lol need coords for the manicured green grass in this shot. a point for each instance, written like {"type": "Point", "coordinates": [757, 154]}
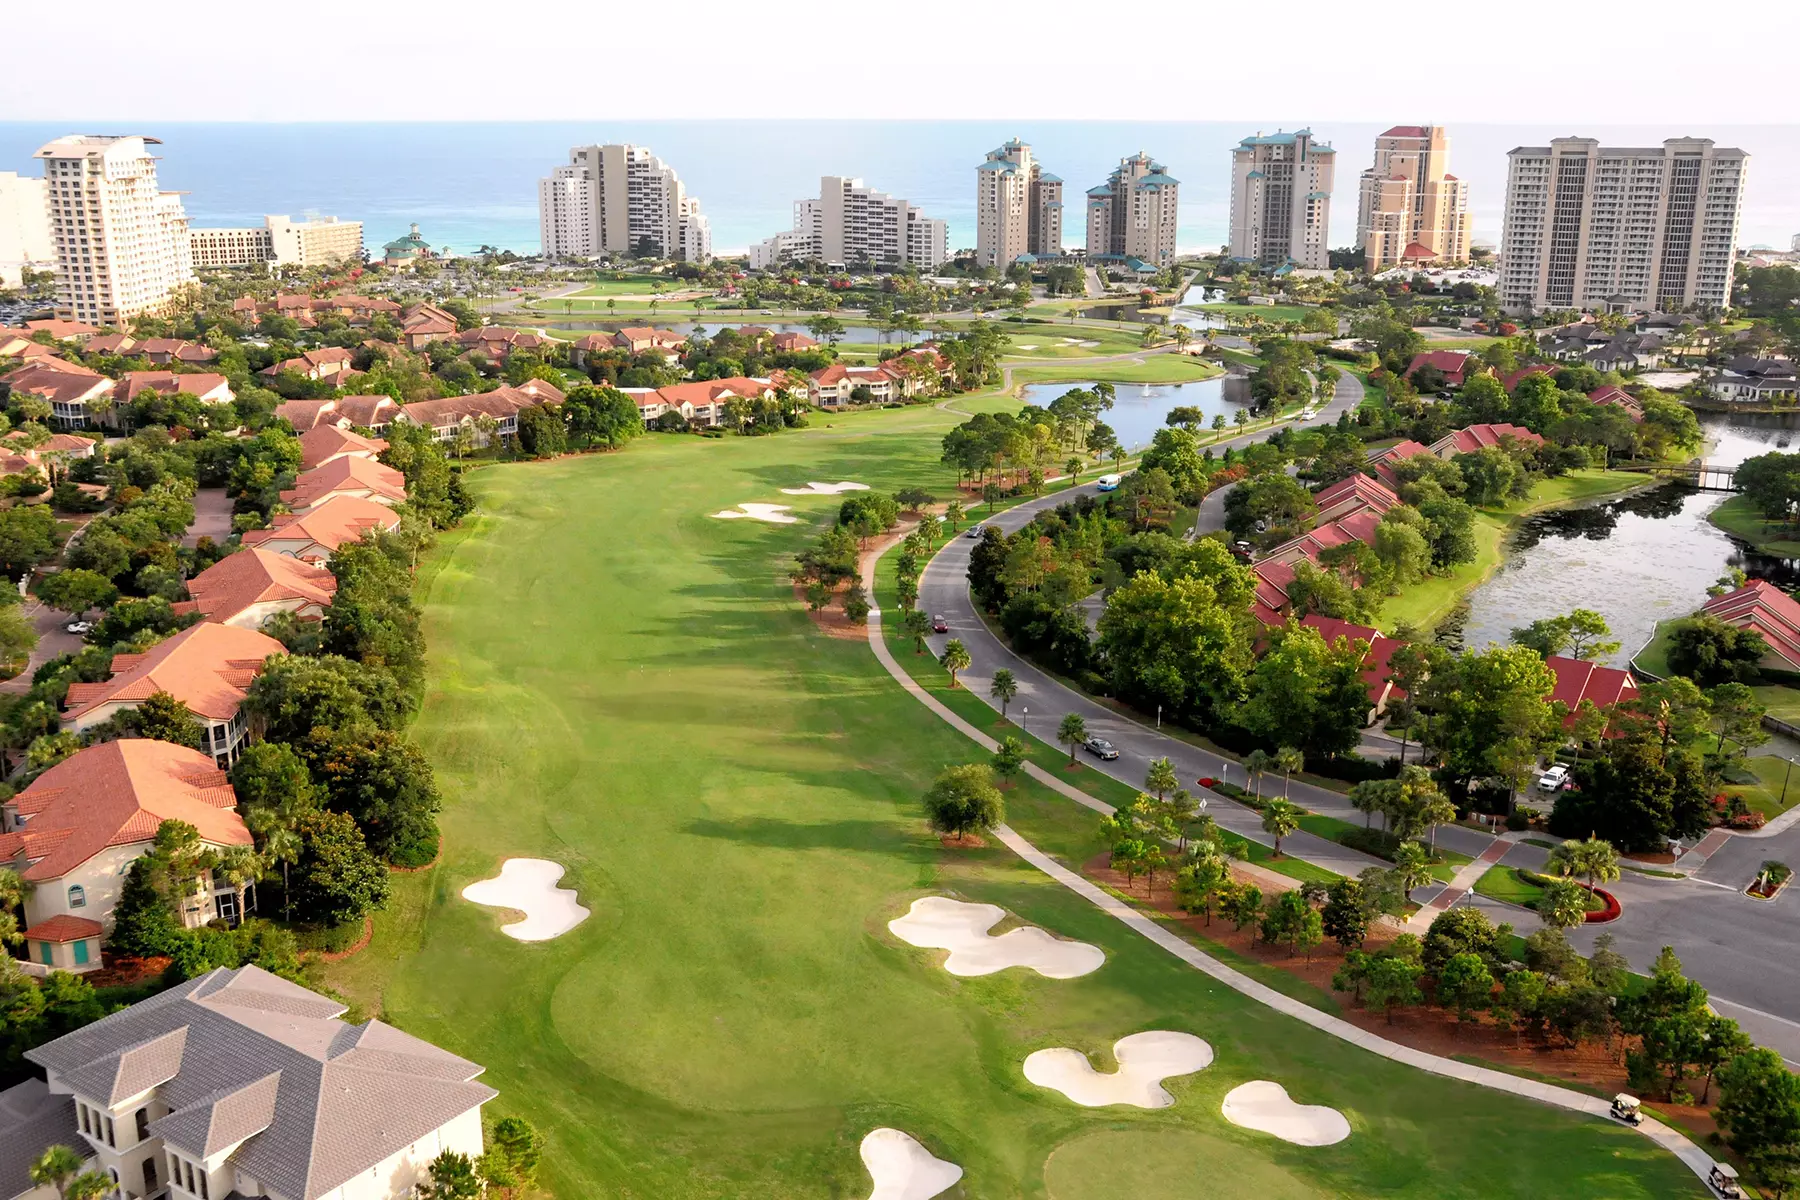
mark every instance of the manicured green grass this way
{"type": "Point", "coordinates": [1444, 862]}
{"type": "Point", "coordinates": [1765, 795]}
{"type": "Point", "coordinates": [1740, 518]}
{"type": "Point", "coordinates": [1050, 341]}
{"type": "Point", "coordinates": [1654, 657]}
{"type": "Point", "coordinates": [1782, 701]}
{"type": "Point", "coordinates": [626, 686]}
{"type": "Point", "coordinates": [1506, 884]}
{"type": "Point", "coordinates": [1155, 368]}
{"type": "Point", "coordinates": [1268, 312]}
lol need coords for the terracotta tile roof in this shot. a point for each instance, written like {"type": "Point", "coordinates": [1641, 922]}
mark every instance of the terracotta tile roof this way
{"type": "Point", "coordinates": [111, 343]}
{"type": "Point", "coordinates": [304, 414]}
{"type": "Point", "coordinates": [1381, 461]}
{"type": "Point", "coordinates": [792, 341]}
{"type": "Point", "coordinates": [351, 473]}
{"type": "Point", "coordinates": [422, 319]}
{"type": "Point", "coordinates": [57, 381]}
{"type": "Point", "coordinates": [250, 577]}
{"type": "Point", "coordinates": [64, 927]}
{"type": "Point", "coordinates": [206, 667]}
{"type": "Point", "coordinates": [1620, 398]}
{"type": "Point", "coordinates": [118, 793]}
{"type": "Point", "coordinates": [1474, 437]}
{"type": "Point", "coordinates": [1512, 379]}
{"type": "Point", "coordinates": [1452, 364]}
{"type": "Point", "coordinates": [452, 410]}
{"type": "Point", "coordinates": [1375, 660]}
{"type": "Point", "coordinates": [1357, 489]}
{"type": "Point", "coordinates": [313, 360]}
{"type": "Point", "coordinates": [542, 390]}
{"type": "Point", "coordinates": [325, 441]}
{"type": "Point", "coordinates": [62, 330]}
{"type": "Point", "coordinates": [26, 350]}
{"type": "Point", "coordinates": [1762, 606]}
{"type": "Point", "coordinates": [325, 526]}
{"type": "Point", "coordinates": [589, 342]}
{"type": "Point", "coordinates": [1578, 680]}
{"type": "Point", "coordinates": [1405, 131]}
{"type": "Point", "coordinates": [176, 348]}
{"type": "Point", "coordinates": [366, 409]}
{"type": "Point", "coordinates": [202, 384]}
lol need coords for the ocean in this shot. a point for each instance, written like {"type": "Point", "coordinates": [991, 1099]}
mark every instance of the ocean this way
{"type": "Point", "coordinates": [473, 184]}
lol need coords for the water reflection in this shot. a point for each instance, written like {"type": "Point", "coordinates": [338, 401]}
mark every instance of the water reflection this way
{"type": "Point", "coordinates": [1140, 409]}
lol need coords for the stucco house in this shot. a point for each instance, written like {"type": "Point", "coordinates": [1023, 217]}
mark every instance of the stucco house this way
{"type": "Point", "coordinates": [315, 533]}
{"type": "Point", "coordinates": [323, 443]}
{"type": "Point", "coordinates": [246, 589]}
{"type": "Point", "coordinates": [350, 475]}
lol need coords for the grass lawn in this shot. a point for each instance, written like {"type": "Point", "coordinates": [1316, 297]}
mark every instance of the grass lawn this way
{"type": "Point", "coordinates": [1269, 312]}
{"type": "Point", "coordinates": [1506, 884]}
{"type": "Point", "coordinates": [1444, 862]}
{"type": "Point", "coordinates": [1740, 518]}
{"type": "Point", "coordinates": [634, 285]}
{"type": "Point", "coordinates": [1783, 702]}
{"type": "Point", "coordinates": [1764, 796]}
{"type": "Point", "coordinates": [1061, 341]}
{"type": "Point", "coordinates": [626, 686]}
{"type": "Point", "coordinates": [1654, 657]}
{"type": "Point", "coordinates": [1155, 368]}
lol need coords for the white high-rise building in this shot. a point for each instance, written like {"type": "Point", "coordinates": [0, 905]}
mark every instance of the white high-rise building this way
{"type": "Point", "coordinates": [1018, 207]}
{"type": "Point", "coordinates": [850, 222]}
{"type": "Point", "coordinates": [279, 240]}
{"type": "Point", "coordinates": [1281, 200]}
{"type": "Point", "coordinates": [619, 199]}
{"type": "Point", "coordinates": [121, 242]}
{"type": "Point", "coordinates": [24, 227]}
{"type": "Point", "coordinates": [1624, 229]}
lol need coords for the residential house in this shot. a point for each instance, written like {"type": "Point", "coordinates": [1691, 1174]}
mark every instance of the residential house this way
{"type": "Point", "coordinates": [791, 343]}
{"type": "Point", "coordinates": [589, 344]}
{"type": "Point", "coordinates": [75, 831]}
{"type": "Point", "coordinates": [63, 331]}
{"type": "Point", "coordinates": [498, 342]}
{"type": "Point", "coordinates": [32, 1119]}
{"type": "Point", "coordinates": [371, 412]}
{"type": "Point", "coordinates": [1765, 609]}
{"type": "Point", "coordinates": [207, 667]}
{"type": "Point", "coordinates": [122, 344]}
{"type": "Point", "coordinates": [213, 389]}
{"type": "Point", "coordinates": [1617, 397]}
{"type": "Point", "coordinates": [18, 348]}
{"type": "Point", "coordinates": [703, 402]}
{"type": "Point", "coordinates": [1353, 493]}
{"type": "Point", "coordinates": [321, 529]}
{"type": "Point", "coordinates": [1473, 437]}
{"type": "Point", "coordinates": [322, 443]}
{"type": "Point", "coordinates": [163, 351]}
{"type": "Point", "coordinates": [1377, 657]}
{"type": "Point", "coordinates": [835, 386]}
{"type": "Point", "coordinates": [1751, 380]}
{"type": "Point", "coordinates": [347, 475]}
{"type": "Point", "coordinates": [326, 364]}
{"type": "Point", "coordinates": [1381, 462]}
{"type": "Point", "coordinates": [240, 1084]}
{"type": "Point", "coordinates": [1512, 379]}
{"type": "Point", "coordinates": [68, 388]}
{"type": "Point", "coordinates": [423, 324]}
{"type": "Point", "coordinates": [1453, 365]}
{"type": "Point", "coordinates": [1578, 680]}
{"type": "Point", "coordinates": [501, 406]}
{"type": "Point", "coordinates": [249, 587]}
{"type": "Point", "coordinates": [641, 338]}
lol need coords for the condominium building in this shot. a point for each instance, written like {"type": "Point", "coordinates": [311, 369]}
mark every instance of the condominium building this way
{"type": "Point", "coordinates": [1281, 200]}
{"type": "Point", "coordinates": [1410, 209]}
{"type": "Point", "coordinates": [121, 241]}
{"type": "Point", "coordinates": [24, 227]}
{"type": "Point", "coordinates": [279, 241]}
{"type": "Point", "coordinates": [850, 222]}
{"type": "Point", "coordinates": [1633, 228]}
{"type": "Point", "coordinates": [1132, 214]}
{"type": "Point", "coordinates": [619, 199]}
{"type": "Point", "coordinates": [1018, 207]}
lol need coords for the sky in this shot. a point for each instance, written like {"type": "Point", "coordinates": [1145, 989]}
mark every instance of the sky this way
{"type": "Point", "coordinates": [1296, 61]}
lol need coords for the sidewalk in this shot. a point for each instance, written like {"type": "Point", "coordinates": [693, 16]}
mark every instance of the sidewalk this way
{"type": "Point", "coordinates": [1460, 885]}
{"type": "Point", "coordinates": [1709, 845]}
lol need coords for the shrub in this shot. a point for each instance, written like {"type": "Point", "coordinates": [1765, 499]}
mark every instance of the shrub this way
{"type": "Point", "coordinates": [1517, 821]}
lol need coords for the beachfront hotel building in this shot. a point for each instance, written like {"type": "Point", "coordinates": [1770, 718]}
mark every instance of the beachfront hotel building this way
{"type": "Point", "coordinates": [850, 222]}
{"type": "Point", "coordinates": [121, 242]}
{"type": "Point", "coordinates": [1132, 214]}
{"type": "Point", "coordinates": [1018, 208]}
{"type": "Point", "coordinates": [619, 200]}
{"type": "Point", "coordinates": [1281, 200]}
{"type": "Point", "coordinates": [24, 227]}
{"type": "Point", "coordinates": [279, 241]}
{"type": "Point", "coordinates": [1620, 228]}
{"type": "Point", "coordinates": [1410, 209]}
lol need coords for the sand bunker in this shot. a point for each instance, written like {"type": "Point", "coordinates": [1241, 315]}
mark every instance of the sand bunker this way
{"type": "Point", "coordinates": [904, 1170]}
{"type": "Point", "coordinates": [529, 885]}
{"type": "Point", "coordinates": [940, 923]}
{"type": "Point", "coordinates": [1266, 1108]}
{"type": "Point", "coordinates": [775, 514]}
{"type": "Point", "coordinates": [1145, 1060]}
{"type": "Point", "coordinates": [824, 489]}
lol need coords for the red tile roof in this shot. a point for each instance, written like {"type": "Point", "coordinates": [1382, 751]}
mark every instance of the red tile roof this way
{"type": "Point", "coordinates": [61, 329]}
{"type": "Point", "coordinates": [326, 525]}
{"type": "Point", "coordinates": [206, 667]}
{"type": "Point", "coordinates": [324, 441]}
{"type": "Point", "coordinates": [168, 383]}
{"type": "Point", "coordinates": [1762, 606]}
{"type": "Point", "coordinates": [117, 794]}
{"type": "Point", "coordinates": [1357, 489]}
{"type": "Point", "coordinates": [1405, 131]}
{"type": "Point", "coordinates": [351, 473]}
{"type": "Point", "coordinates": [1578, 680]}
{"type": "Point", "coordinates": [1512, 379]}
{"type": "Point", "coordinates": [63, 927]}
{"type": "Point", "coordinates": [1451, 363]}
{"type": "Point", "coordinates": [57, 381]}
{"type": "Point", "coordinates": [1474, 437]}
{"type": "Point", "coordinates": [250, 577]}
{"type": "Point", "coordinates": [1620, 398]}
{"type": "Point", "coordinates": [1375, 660]}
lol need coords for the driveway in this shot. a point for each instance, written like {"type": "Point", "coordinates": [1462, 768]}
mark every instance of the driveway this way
{"type": "Point", "coordinates": [53, 640]}
{"type": "Point", "coordinates": [212, 517]}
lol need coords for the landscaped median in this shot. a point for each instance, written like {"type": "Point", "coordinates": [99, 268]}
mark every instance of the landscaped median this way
{"type": "Point", "coordinates": [1526, 888]}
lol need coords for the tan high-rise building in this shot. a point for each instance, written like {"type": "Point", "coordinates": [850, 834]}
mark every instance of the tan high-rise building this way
{"type": "Point", "coordinates": [1410, 209]}
{"type": "Point", "coordinates": [1133, 214]}
{"type": "Point", "coordinates": [1018, 207]}
{"type": "Point", "coordinates": [619, 199]}
{"type": "Point", "coordinates": [121, 242]}
{"type": "Point", "coordinates": [319, 242]}
{"type": "Point", "coordinates": [1623, 229]}
{"type": "Point", "coordinates": [1281, 200]}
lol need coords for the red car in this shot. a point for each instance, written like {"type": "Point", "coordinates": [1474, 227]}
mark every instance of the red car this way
{"type": "Point", "coordinates": [939, 625]}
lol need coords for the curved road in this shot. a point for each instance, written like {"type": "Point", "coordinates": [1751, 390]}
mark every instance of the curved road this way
{"type": "Point", "coordinates": [1741, 949]}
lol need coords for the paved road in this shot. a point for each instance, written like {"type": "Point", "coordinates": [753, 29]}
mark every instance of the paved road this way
{"type": "Point", "coordinates": [1741, 949]}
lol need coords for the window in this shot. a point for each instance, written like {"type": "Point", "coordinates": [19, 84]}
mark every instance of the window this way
{"type": "Point", "coordinates": [110, 1140]}
{"type": "Point", "coordinates": [143, 1123]}
{"type": "Point", "coordinates": [149, 1175]}
{"type": "Point", "coordinates": [77, 896]}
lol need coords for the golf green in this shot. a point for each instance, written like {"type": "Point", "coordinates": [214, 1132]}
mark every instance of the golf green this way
{"type": "Point", "coordinates": [625, 685]}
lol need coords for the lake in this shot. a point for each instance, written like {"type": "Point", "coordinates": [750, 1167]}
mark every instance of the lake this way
{"type": "Point", "coordinates": [1140, 409]}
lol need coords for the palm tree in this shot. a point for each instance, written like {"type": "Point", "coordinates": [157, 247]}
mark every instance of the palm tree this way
{"type": "Point", "coordinates": [954, 658]}
{"type": "Point", "coordinates": [953, 513]}
{"type": "Point", "coordinates": [1280, 818]}
{"type": "Point", "coordinates": [1254, 765]}
{"type": "Point", "coordinates": [1160, 779]}
{"type": "Point", "coordinates": [240, 866]}
{"type": "Point", "coordinates": [1072, 732]}
{"type": "Point", "coordinates": [1288, 759]}
{"type": "Point", "coordinates": [59, 1167]}
{"type": "Point", "coordinates": [13, 891]}
{"type": "Point", "coordinates": [1412, 866]}
{"type": "Point", "coordinates": [1003, 689]}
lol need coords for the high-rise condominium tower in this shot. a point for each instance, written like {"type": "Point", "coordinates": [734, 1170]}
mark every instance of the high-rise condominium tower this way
{"type": "Point", "coordinates": [1620, 228]}
{"type": "Point", "coordinates": [1132, 214]}
{"type": "Point", "coordinates": [1410, 209]}
{"type": "Point", "coordinates": [852, 223]}
{"type": "Point", "coordinates": [1018, 207]}
{"type": "Point", "coordinates": [1281, 200]}
{"type": "Point", "coordinates": [619, 199]}
{"type": "Point", "coordinates": [121, 241]}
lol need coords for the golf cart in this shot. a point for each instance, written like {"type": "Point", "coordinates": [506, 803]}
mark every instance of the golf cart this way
{"type": "Point", "coordinates": [1724, 1180]}
{"type": "Point", "coordinates": [1625, 1108]}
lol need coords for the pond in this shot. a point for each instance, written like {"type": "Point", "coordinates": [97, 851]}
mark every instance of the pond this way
{"type": "Point", "coordinates": [1139, 409]}
{"type": "Point", "coordinates": [1636, 560]}
{"type": "Point", "coordinates": [852, 333]}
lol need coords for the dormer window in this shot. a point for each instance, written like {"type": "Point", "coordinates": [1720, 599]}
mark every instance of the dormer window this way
{"type": "Point", "coordinates": [77, 896]}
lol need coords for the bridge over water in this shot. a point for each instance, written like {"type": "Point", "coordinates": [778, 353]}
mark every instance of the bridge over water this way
{"type": "Point", "coordinates": [1705, 476]}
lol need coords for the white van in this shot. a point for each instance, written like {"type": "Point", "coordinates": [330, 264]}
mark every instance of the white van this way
{"type": "Point", "coordinates": [1108, 483]}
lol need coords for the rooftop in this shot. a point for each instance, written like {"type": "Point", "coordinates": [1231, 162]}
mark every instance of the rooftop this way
{"type": "Point", "coordinates": [206, 667]}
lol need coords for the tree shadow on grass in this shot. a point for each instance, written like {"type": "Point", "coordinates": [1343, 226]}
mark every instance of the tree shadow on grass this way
{"type": "Point", "coordinates": [875, 836]}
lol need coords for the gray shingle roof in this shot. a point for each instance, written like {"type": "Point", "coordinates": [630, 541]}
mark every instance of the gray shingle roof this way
{"type": "Point", "coordinates": [245, 1055]}
{"type": "Point", "coordinates": [31, 1121]}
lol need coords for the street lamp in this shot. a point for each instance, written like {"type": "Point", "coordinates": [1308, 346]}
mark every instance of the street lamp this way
{"type": "Point", "coordinates": [1159, 716]}
{"type": "Point", "coordinates": [1784, 775]}
{"type": "Point", "coordinates": [1024, 712]}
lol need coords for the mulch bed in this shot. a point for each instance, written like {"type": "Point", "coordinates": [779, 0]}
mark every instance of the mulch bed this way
{"type": "Point", "coordinates": [127, 972]}
{"type": "Point", "coordinates": [964, 841]}
{"type": "Point", "coordinates": [359, 945]}
{"type": "Point", "coordinates": [1587, 1067]}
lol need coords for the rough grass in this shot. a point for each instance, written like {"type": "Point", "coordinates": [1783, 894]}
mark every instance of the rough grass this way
{"type": "Point", "coordinates": [1740, 518]}
{"type": "Point", "coordinates": [624, 685]}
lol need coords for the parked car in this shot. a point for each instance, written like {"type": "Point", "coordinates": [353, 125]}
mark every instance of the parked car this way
{"type": "Point", "coordinates": [940, 625]}
{"type": "Point", "coordinates": [974, 531]}
{"type": "Point", "coordinates": [1555, 779]}
{"type": "Point", "coordinates": [78, 627]}
{"type": "Point", "coordinates": [1101, 748]}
